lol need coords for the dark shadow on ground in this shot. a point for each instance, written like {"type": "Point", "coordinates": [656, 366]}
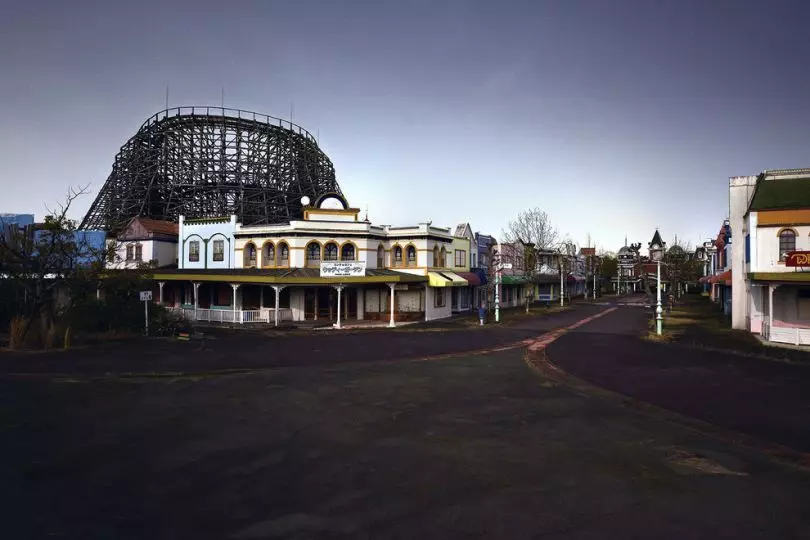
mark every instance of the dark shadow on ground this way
{"type": "Point", "coordinates": [228, 350]}
{"type": "Point", "coordinates": [460, 448]}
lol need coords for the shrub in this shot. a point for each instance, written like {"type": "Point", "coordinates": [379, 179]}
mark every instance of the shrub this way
{"type": "Point", "coordinates": [16, 332]}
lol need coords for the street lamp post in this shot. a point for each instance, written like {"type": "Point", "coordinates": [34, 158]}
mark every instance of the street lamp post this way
{"type": "Point", "coordinates": [657, 253]}
{"type": "Point", "coordinates": [562, 283]}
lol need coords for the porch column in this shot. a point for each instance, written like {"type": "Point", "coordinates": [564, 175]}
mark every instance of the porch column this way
{"type": "Point", "coordinates": [98, 294]}
{"type": "Point", "coordinates": [361, 303]}
{"type": "Point", "coordinates": [235, 287]}
{"type": "Point", "coordinates": [391, 321]}
{"type": "Point", "coordinates": [160, 292]}
{"type": "Point", "coordinates": [771, 288]}
{"type": "Point", "coordinates": [278, 289]}
{"type": "Point", "coordinates": [339, 289]}
{"type": "Point", "coordinates": [196, 285]}
{"type": "Point", "coordinates": [261, 297]}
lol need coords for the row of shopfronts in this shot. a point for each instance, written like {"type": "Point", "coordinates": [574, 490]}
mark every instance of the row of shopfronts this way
{"type": "Point", "coordinates": [330, 266]}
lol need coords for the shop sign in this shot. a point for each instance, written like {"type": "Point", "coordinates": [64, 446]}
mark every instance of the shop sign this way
{"type": "Point", "coordinates": [798, 258]}
{"type": "Point", "coordinates": [335, 269]}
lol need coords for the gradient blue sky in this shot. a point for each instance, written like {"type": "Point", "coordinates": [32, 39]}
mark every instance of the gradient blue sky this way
{"type": "Point", "coordinates": [613, 116]}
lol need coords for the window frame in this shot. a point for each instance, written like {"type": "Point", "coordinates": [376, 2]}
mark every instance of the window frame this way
{"type": "Point", "coordinates": [324, 253]}
{"type": "Point", "coordinates": [350, 246]}
{"type": "Point", "coordinates": [193, 251]}
{"type": "Point", "coordinates": [130, 252]}
{"type": "Point", "coordinates": [282, 261]}
{"type": "Point", "coordinates": [408, 260]}
{"type": "Point", "coordinates": [380, 256]}
{"type": "Point", "coordinates": [218, 257]}
{"type": "Point", "coordinates": [249, 258]}
{"type": "Point", "coordinates": [781, 236]}
{"type": "Point", "coordinates": [439, 298]}
{"type": "Point", "coordinates": [461, 257]}
{"type": "Point", "coordinates": [310, 262]}
{"type": "Point", "coordinates": [396, 256]}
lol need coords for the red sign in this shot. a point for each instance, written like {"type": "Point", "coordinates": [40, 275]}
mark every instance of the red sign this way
{"type": "Point", "coordinates": [798, 258]}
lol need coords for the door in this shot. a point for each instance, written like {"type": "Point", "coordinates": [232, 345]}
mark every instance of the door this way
{"type": "Point", "coordinates": [309, 304]}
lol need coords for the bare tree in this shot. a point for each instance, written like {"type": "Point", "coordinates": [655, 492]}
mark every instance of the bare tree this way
{"type": "Point", "coordinates": [679, 266]}
{"type": "Point", "coordinates": [39, 264]}
{"type": "Point", "coordinates": [534, 227]}
{"type": "Point", "coordinates": [529, 232]}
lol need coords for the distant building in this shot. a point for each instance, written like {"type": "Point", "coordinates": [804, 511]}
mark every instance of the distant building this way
{"type": "Point", "coordinates": [144, 241]}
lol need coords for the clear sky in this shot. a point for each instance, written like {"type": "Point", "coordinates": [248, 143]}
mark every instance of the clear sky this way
{"type": "Point", "coordinates": [613, 116]}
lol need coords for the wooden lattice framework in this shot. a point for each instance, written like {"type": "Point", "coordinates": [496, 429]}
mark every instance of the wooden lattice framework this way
{"type": "Point", "coordinates": [211, 162]}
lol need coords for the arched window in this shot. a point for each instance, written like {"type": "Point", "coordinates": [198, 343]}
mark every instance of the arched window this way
{"type": "Point", "coordinates": [313, 254]}
{"type": "Point", "coordinates": [436, 256]}
{"type": "Point", "coordinates": [443, 258]}
{"type": "Point", "coordinates": [269, 255]}
{"type": "Point", "coordinates": [249, 255]}
{"type": "Point", "coordinates": [330, 252]}
{"type": "Point", "coordinates": [411, 255]}
{"type": "Point", "coordinates": [397, 256]}
{"type": "Point", "coordinates": [787, 243]}
{"type": "Point", "coordinates": [347, 252]}
{"type": "Point", "coordinates": [283, 254]}
{"type": "Point", "coordinates": [380, 257]}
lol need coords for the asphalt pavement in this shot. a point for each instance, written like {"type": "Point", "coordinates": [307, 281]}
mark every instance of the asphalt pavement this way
{"type": "Point", "coordinates": [764, 399]}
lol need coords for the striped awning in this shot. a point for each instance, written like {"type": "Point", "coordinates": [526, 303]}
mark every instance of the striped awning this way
{"type": "Point", "coordinates": [445, 279]}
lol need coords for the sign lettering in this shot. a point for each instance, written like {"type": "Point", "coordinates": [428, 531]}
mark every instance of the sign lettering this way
{"type": "Point", "coordinates": [337, 269]}
{"type": "Point", "coordinates": [798, 258]}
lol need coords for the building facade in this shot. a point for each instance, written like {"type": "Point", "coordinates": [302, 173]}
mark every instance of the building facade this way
{"type": "Point", "coordinates": [770, 272]}
{"type": "Point", "coordinates": [329, 266]}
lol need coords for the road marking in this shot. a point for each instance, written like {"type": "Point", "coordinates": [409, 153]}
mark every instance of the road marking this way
{"type": "Point", "coordinates": [548, 338]}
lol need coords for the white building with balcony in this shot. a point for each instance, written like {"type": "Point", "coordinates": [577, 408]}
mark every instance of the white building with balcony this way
{"type": "Point", "coordinates": [231, 272]}
{"type": "Point", "coordinates": [771, 266]}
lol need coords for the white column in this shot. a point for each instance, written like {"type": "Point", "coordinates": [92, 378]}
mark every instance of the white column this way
{"type": "Point", "coordinates": [339, 289]}
{"type": "Point", "coordinates": [391, 321]}
{"type": "Point", "coordinates": [771, 288]}
{"type": "Point", "coordinates": [98, 294]}
{"type": "Point", "coordinates": [235, 288]}
{"type": "Point", "coordinates": [160, 292]}
{"type": "Point", "coordinates": [261, 297]}
{"type": "Point", "coordinates": [278, 289]}
{"type": "Point", "coordinates": [361, 303]}
{"type": "Point", "coordinates": [196, 298]}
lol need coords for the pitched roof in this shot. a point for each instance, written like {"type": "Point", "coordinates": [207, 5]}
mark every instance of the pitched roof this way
{"type": "Point", "coordinates": [157, 226]}
{"type": "Point", "coordinates": [656, 239]}
{"type": "Point", "coordinates": [781, 194]}
{"type": "Point", "coordinates": [461, 229]}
